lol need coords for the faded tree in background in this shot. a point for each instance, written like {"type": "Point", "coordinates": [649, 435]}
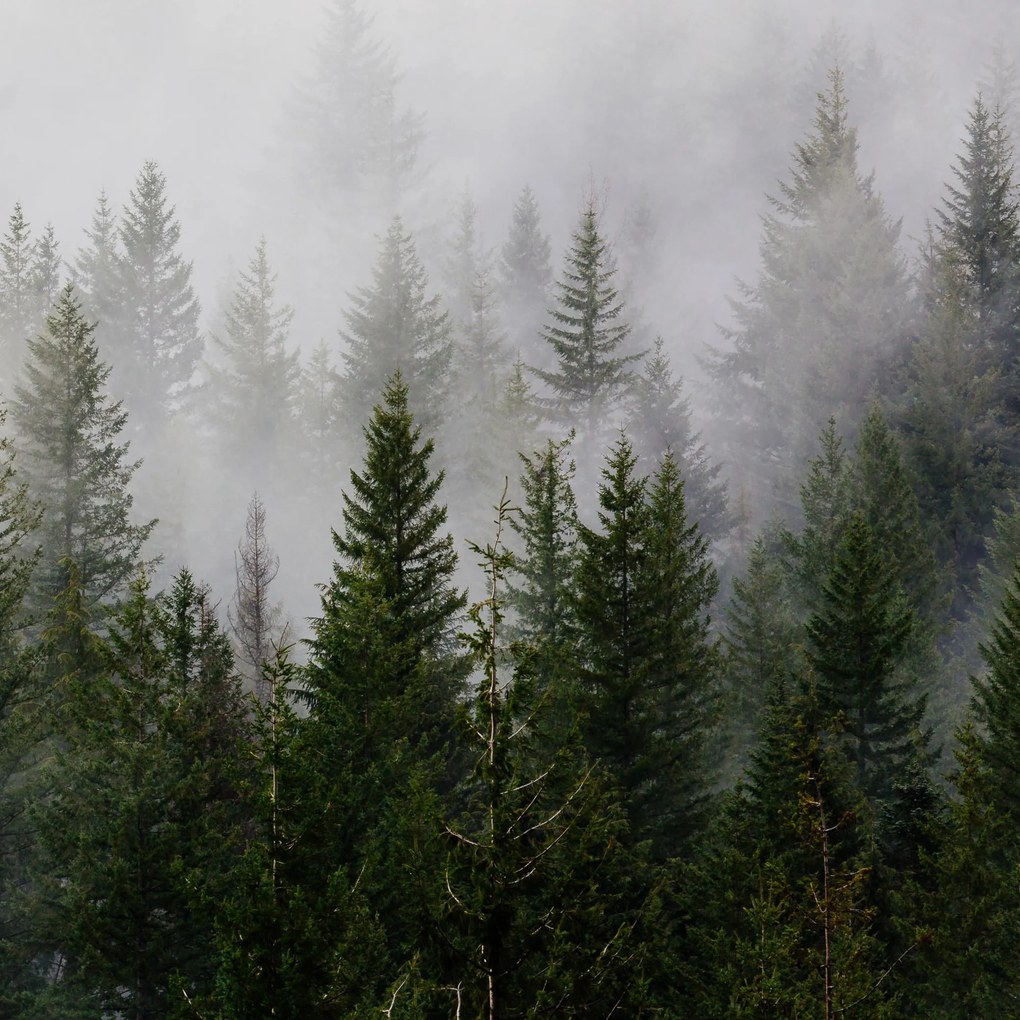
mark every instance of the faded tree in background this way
{"type": "Point", "coordinates": [254, 620]}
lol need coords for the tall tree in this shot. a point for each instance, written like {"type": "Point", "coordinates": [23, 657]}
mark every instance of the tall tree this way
{"type": "Point", "coordinates": [254, 390]}
{"type": "Point", "coordinates": [143, 819]}
{"type": "Point", "coordinates": [18, 307]}
{"type": "Point", "coordinates": [526, 279]}
{"type": "Point", "coordinates": [357, 137]}
{"type": "Point", "coordinates": [646, 663]}
{"type": "Point", "coordinates": [393, 326]}
{"type": "Point", "coordinates": [829, 306]}
{"type": "Point", "coordinates": [74, 463]}
{"type": "Point", "coordinates": [591, 376]}
{"type": "Point", "coordinates": [156, 344]}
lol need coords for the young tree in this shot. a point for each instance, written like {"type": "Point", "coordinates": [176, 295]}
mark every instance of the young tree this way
{"type": "Point", "coordinates": [254, 620]}
{"type": "Point", "coordinates": [155, 344]}
{"type": "Point", "coordinates": [591, 375]}
{"type": "Point", "coordinates": [394, 326]}
{"type": "Point", "coordinates": [75, 466]}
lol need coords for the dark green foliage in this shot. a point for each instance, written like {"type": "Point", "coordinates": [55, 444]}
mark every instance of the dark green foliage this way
{"type": "Point", "coordinates": [859, 637]}
{"type": "Point", "coordinates": [69, 430]}
{"type": "Point", "coordinates": [542, 588]}
{"type": "Point", "coordinates": [393, 326]}
{"type": "Point", "coordinates": [647, 668]}
{"type": "Point", "coordinates": [533, 879]}
{"type": "Point", "coordinates": [142, 821]}
{"type": "Point", "coordinates": [591, 375]}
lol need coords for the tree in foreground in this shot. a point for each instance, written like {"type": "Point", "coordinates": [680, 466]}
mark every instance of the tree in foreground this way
{"type": "Point", "coordinates": [75, 465]}
{"type": "Point", "coordinates": [536, 866]}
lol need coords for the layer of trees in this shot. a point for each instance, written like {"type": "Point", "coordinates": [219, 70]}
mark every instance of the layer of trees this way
{"type": "Point", "coordinates": [673, 754]}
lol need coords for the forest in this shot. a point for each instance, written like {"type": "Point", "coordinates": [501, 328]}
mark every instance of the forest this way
{"type": "Point", "coordinates": [489, 638]}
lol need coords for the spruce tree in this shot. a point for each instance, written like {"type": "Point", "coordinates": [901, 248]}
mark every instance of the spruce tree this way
{"type": "Point", "coordinates": [253, 392]}
{"type": "Point", "coordinates": [393, 326]}
{"type": "Point", "coordinates": [587, 333]}
{"type": "Point", "coordinates": [155, 344]}
{"type": "Point", "coordinates": [526, 280]}
{"type": "Point", "coordinates": [858, 640]}
{"type": "Point", "coordinates": [75, 465]}
{"type": "Point", "coordinates": [830, 303]}
{"type": "Point", "coordinates": [660, 421]}
{"type": "Point", "coordinates": [18, 308]}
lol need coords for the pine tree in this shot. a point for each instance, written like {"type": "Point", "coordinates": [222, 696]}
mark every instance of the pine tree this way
{"type": "Point", "coordinates": [96, 272]}
{"type": "Point", "coordinates": [813, 334]}
{"type": "Point", "coordinates": [526, 931]}
{"type": "Point", "coordinates": [142, 821]}
{"type": "Point", "coordinates": [69, 430]}
{"type": "Point", "coordinates": [591, 375]}
{"type": "Point", "coordinates": [356, 136]}
{"type": "Point", "coordinates": [319, 415]}
{"type": "Point", "coordinates": [394, 326]}
{"type": "Point", "coordinates": [21, 722]}
{"type": "Point", "coordinates": [646, 664]}
{"type": "Point", "coordinates": [18, 320]}
{"type": "Point", "coordinates": [156, 344]}
{"type": "Point", "coordinates": [541, 585]}
{"type": "Point", "coordinates": [980, 224]}
{"type": "Point", "coordinates": [526, 279]}
{"type": "Point", "coordinates": [859, 637]}
{"type": "Point", "coordinates": [660, 421]}
{"type": "Point", "coordinates": [254, 390]}
{"type": "Point", "coordinates": [45, 273]}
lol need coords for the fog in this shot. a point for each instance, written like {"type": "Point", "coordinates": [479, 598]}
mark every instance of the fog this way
{"type": "Point", "coordinates": [691, 108]}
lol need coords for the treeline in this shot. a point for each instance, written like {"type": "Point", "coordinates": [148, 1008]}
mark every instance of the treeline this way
{"type": "Point", "coordinates": [599, 785]}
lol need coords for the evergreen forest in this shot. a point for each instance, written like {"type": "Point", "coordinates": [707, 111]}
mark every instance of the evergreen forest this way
{"type": "Point", "coordinates": [489, 637]}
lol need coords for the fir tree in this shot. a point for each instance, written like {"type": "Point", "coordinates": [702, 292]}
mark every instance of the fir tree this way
{"type": "Point", "coordinates": [156, 343]}
{"type": "Point", "coordinates": [660, 421]}
{"type": "Point", "coordinates": [526, 279]}
{"type": "Point", "coordinates": [813, 333]}
{"type": "Point", "coordinates": [96, 271]}
{"type": "Point", "coordinates": [254, 390]}
{"type": "Point", "coordinates": [859, 637]}
{"type": "Point", "coordinates": [394, 326]}
{"type": "Point", "coordinates": [76, 468]}
{"type": "Point", "coordinates": [18, 307]}
{"type": "Point", "coordinates": [586, 333]}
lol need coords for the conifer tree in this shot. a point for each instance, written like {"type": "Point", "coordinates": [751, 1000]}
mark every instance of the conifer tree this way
{"type": "Point", "coordinates": [526, 279]}
{"type": "Point", "coordinates": [138, 833]}
{"type": "Point", "coordinates": [45, 273]}
{"type": "Point", "coordinates": [859, 637]}
{"type": "Point", "coordinates": [541, 584]}
{"type": "Point", "coordinates": [646, 664]}
{"type": "Point", "coordinates": [156, 343]}
{"type": "Point", "coordinates": [586, 333]}
{"type": "Point", "coordinates": [319, 415]}
{"type": "Point", "coordinates": [356, 135]}
{"type": "Point", "coordinates": [830, 303]}
{"type": "Point", "coordinates": [254, 390]}
{"type": "Point", "coordinates": [532, 932]}
{"type": "Point", "coordinates": [394, 326]}
{"type": "Point", "coordinates": [18, 307]}
{"type": "Point", "coordinates": [660, 421]}
{"type": "Point", "coordinates": [74, 463]}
